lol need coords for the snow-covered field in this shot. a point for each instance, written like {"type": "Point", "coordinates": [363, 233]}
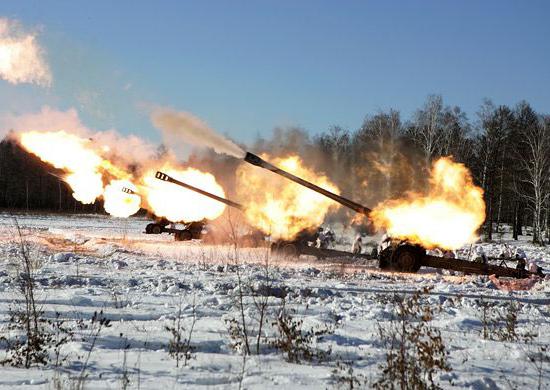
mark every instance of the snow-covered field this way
{"type": "Point", "coordinates": [85, 264]}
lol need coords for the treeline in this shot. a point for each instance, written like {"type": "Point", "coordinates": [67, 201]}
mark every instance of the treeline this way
{"type": "Point", "coordinates": [506, 148]}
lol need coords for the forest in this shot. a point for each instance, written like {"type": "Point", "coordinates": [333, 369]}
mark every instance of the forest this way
{"type": "Point", "coordinates": [506, 148]}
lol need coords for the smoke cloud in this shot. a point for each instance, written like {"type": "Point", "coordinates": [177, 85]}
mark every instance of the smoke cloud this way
{"type": "Point", "coordinates": [21, 57]}
{"type": "Point", "coordinates": [47, 119]}
{"type": "Point", "coordinates": [184, 128]}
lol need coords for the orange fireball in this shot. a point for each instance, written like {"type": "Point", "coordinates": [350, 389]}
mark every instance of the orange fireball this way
{"type": "Point", "coordinates": [280, 207]}
{"type": "Point", "coordinates": [71, 154]}
{"type": "Point", "coordinates": [119, 203]}
{"type": "Point", "coordinates": [447, 217]}
{"type": "Point", "coordinates": [176, 203]}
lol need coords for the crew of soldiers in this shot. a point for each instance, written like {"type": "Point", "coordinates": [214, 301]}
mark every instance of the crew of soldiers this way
{"type": "Point", "coordinates": [509, 253]}
{"type": "Point", "coordinates": [325, 238]}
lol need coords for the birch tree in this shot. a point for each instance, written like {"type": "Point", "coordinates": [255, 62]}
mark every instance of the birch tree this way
{"type": "Point", "coordinates": [427, 127]}
{"type": "Point", "coordinates": [536, 164]}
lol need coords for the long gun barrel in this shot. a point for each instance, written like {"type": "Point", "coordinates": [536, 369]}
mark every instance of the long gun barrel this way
{"type": "Point", "coordinates": [256, 160]}
{"type": "Point", "coordinates": [164, 177]}
{"type": "Point", "coordinates": [129, 191]}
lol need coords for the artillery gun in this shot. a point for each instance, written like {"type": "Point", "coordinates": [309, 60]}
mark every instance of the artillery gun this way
{"type": "Point", "coordinates": [401, 256]}
{"type": "Point", "coordinates": [191, 230]}
{"type": "Point", "coordinates": [195, 229]}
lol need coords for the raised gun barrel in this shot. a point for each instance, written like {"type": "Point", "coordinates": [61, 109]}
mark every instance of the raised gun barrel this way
{"type": "Point", "coordinates": [129, 191]}
{"type": "Point", "coordinates": [164, 177]}
{"type": "Point", "coordinates": [256, 160]}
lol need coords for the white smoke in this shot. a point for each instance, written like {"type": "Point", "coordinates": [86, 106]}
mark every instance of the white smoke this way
{"type": "Point", "coordinates": [21, 57]}
{"type": "Point", "coordinates": [47, 119]}
{"type": "Point", "coordinates": [130, 148]}
{"type": "Point", "coordinates": [184, 128]}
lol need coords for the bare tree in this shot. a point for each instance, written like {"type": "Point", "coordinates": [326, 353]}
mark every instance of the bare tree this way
{"type": "Point", "coordinates": [336, 156]}
{"type": "Point", "coordinates": [427, 127]}
{"type": "Point", "coordinates": [495, 124]}
{"type": "Point", "coordinates": [455, 129]}
{"type": "Point", "coordinates": [536, 165]}
{"type": "Point", "coordinates": [383, 130]}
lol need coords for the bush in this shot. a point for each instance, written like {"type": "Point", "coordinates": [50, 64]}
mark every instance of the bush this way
{"type": "Point", "coordinates": [502, 324]}
{"type": "Point", "coordinates": [345, 378]}
{"type": "Point", "coordinates": [415, 350]}
{"type": "Point", "coordinates": [297, 343]}
{"type": "Point", "coordinates": [179, 346]}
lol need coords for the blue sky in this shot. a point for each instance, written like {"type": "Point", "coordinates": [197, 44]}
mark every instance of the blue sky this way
{"type": "Point", "coordinates": [248, 66]}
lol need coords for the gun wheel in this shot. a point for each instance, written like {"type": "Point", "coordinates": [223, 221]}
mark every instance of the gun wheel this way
{"type": "Point", "coordinates": [183, 235]}
{"type": "Point", "coordinates": [289, 250]}
{"type": "Point", "coordinates": [406, 258]}
{"type": "Point", "coordinates": [153, 228]}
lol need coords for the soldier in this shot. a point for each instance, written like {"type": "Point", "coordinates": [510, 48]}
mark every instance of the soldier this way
{"type": "Point", "coordinates": [385, 241]}
{"type": "Point", "coordinates": [320, 241]}
{"type": "Point", "coordinates": [520, 257]}
{"type": "Point", "coordinates": [356, 247]}
{"type": "Point", "coordinates": [533, 267]}
{"type": "Point", "coordinates": [479, 255]}
{"type": "Point", "coordinates": [505, 252]}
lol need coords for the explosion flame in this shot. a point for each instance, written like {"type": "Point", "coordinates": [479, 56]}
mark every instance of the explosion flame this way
{"type": "Point", "coordinates": [280, 207]}
{"type": "Point", "coordinates": [119, 203]}
{"type": "Point", "coordinates": [176, 203]}
{"type": "Point", "coordinates": [72, 154]}
{"type": "Point", "coordinates": [447, 217]}
{"type": "Point", "coordinates": [87, 171]}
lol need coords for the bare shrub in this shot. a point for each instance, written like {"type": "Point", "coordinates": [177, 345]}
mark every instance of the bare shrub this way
{"type": "Point", "coordinates": [344, 376]}
{"type": "Point", "coordinates": [125, 377]}
{"type": "Point", "coordinates": [261, 302]}
{"type": "Point", "coordinates": [35, 346]}
{"type": "Point", "coordinates": [296, 342]}
{"type": "Point", "coordinates": [97, 323]}
{"type": "Point", "coordinates": [205, 260]}
{"type": "Point", "coordinates": [249, 332]}
{"type": "Point", "coordinates": [501, 324]}
{"type": "Point", "coordinates": [539, 358]}
{"type": "Point", "coordinates": [36, 337]}
{"type": "Point", "coordinates": [238, 326]}
{"type": "Point", "coordinates": [243, 372]}
{"type": "Point", "coordinates": [415, 351]}
{"type": "Point", "coordinates": [179, 346]}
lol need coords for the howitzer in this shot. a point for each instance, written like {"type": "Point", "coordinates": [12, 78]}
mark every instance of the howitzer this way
{"type": "Point", "coordinates": [402, 256]}
{"type": "Point", "coordinates": [258, 161]}
{"type": "Point", "coordinates": [129, 191]}
{"type": "Point", "coordinates": [164, 177]}
{"type": "Point", "coordinates": [192, 230]}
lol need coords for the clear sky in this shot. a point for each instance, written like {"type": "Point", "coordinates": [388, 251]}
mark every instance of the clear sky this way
{"type": "Point", "coordinates": [248, 66]}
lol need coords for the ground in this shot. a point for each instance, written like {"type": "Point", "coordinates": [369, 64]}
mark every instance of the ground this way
{"type": "Point", "coordinates": [86, 264]}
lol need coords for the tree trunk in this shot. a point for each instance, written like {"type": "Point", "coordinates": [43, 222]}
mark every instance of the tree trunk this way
{"type": "Point", "coordinates": [501, 186]}
{"type": "Point", "coordinates": [489, 225]}
{"type": "Point", "coordinates": [519, 220]}
{"type": "Point", "coordinates": [515, 221]}
{"type": "Point", "coordinates": [59, 188]}
{"type": "Point", "coordinates": [546, 223]}
{"type": "Point", "coordinates": [27, 193]}
{"type": "Point", "coordinates": [535, 226]}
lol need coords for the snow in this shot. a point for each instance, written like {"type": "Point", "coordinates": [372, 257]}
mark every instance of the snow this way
{"type": "Point", "coordinates": [90, 263]}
